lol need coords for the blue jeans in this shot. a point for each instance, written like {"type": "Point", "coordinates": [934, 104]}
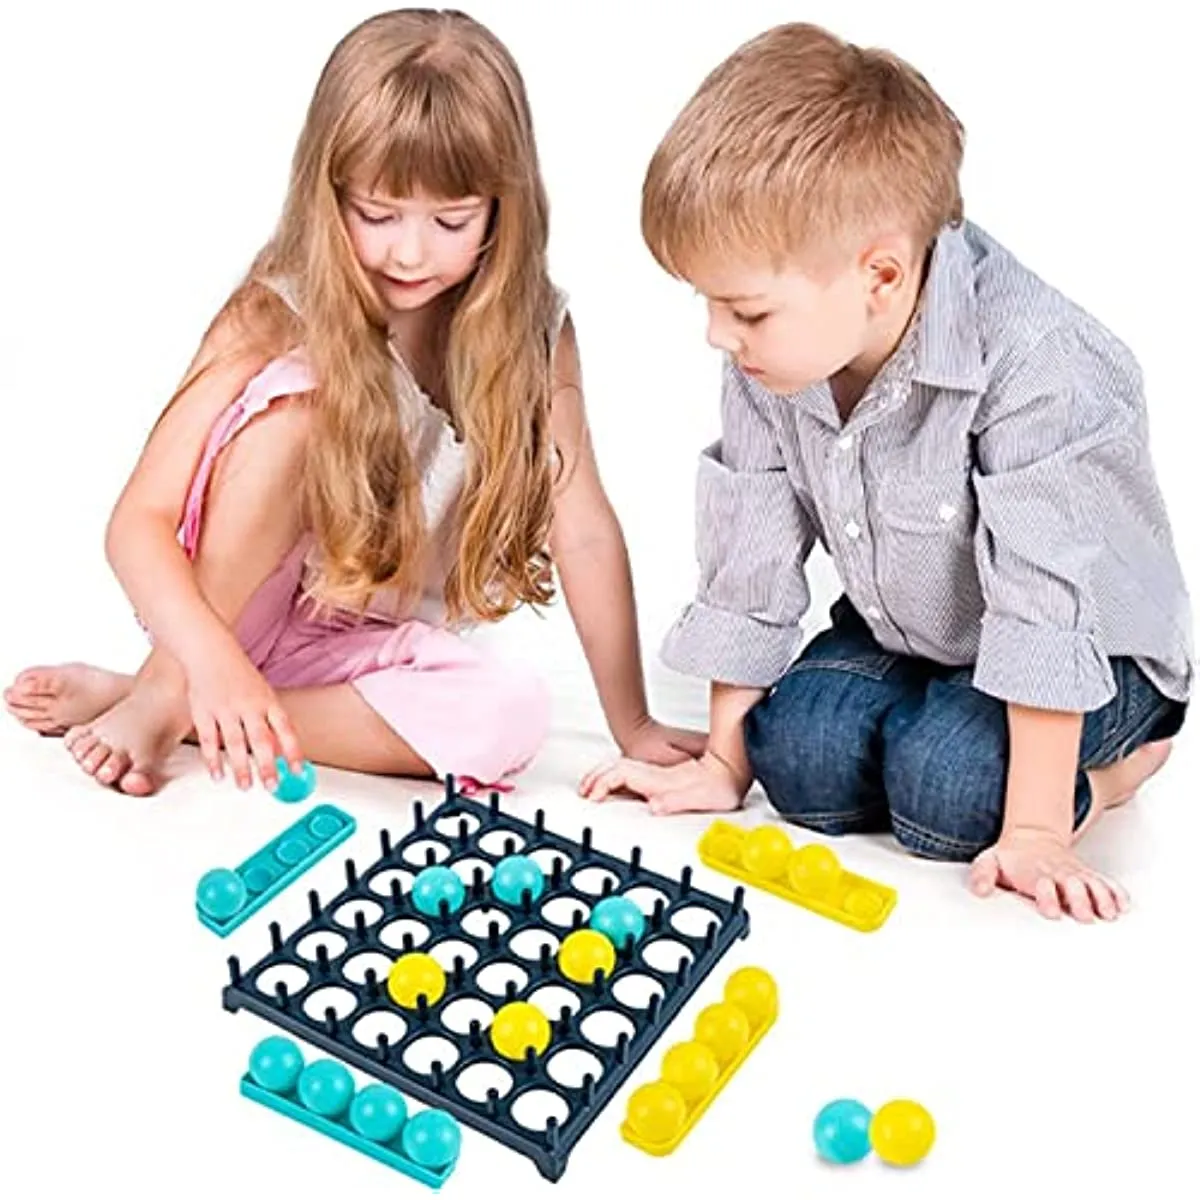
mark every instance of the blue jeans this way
{"type": "Point", "coordinates": [856, 739]}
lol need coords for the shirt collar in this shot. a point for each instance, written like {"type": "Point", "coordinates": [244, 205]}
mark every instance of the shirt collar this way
{"type": "Point", "coordinates": [949, 353]}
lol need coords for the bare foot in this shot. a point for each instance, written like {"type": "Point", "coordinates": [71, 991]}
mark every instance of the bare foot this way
{"type": "Point", "coordinates": [1118, 783]}
{"type": "Point", "coordinates": [1115, 784]}
{"type": "Point", "coordinates": [126, 746]}
{"type": "Point", "coordinates": [50, 700]}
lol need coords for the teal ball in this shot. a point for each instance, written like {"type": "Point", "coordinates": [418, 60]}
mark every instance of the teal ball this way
{"type": "Point", "coordinates": [435, 884]}
{"type": "Point", "coordinates": [275, 1064]}
{"type": "Point", "coordinates": [292, 788]}
{"type": "Point", "coordinates": [325, 1088]}
{"type": "Point", "coordinates": [617, 918]}
{"type": "Point", "coordinates": [432, 1139]}
{"type": "Point", "coordinates": [220, 893]}
{"type": "Point", "coordinates": [841, 1131]}
{"type": "Point", "coordinates": [516, 875]}
{"type": "Point", "coordinates": [378, 1112]}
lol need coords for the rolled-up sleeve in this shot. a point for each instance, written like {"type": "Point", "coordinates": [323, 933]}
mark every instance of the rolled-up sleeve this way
{"type": "Point", "coordinates": [753, 537]}
{"type": "Point", "coordinates": [1053, 434]}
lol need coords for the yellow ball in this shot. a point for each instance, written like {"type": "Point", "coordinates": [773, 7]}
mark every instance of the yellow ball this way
{"type": "Point", "coordinates": [725, 847]}
{"type": "Point", "coordinates": [725, 1030]}
{"type": "Point", "coordinates": [691, 1069]}
{"type": "Point", "coordinates": [754, 992]}
{"type": "Point", "coordinates": [814, 870]}
{"type": "Point", "coordinates": [582, 952]}
{"type": "Point", "coordinates": [765, 852]}
{"type": "Point", "coordinates": [517, 1027]}
{"type": "Point", "coordinates": [656, 1112]}
{"type": "Point", "coordinates": [413, 975]}
{"type": "Point", "coordinates": [901, 1133]}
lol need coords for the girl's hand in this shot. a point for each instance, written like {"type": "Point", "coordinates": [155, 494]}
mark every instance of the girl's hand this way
{"type": "Point", "coordinates": [698, 785]}
{"type": "Point", "coordinates": [662, 745]}
{"type": "Point", "coordinates": [234, 709]}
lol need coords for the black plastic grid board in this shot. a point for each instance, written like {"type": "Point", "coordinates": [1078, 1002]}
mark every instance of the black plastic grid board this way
{"type": "Point", "coordinates": [459, 824]}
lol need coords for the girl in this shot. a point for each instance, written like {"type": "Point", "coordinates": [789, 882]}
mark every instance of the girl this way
{"type": "Point", "coordinates": [381, 441]}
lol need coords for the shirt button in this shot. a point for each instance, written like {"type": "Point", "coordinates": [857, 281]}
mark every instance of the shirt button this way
{"type": "Point", "coordinates": [946, 512]}
{"type": "Point", "coordinates": [873, 613]}
{"type": "Point", "coordinates": [853, 529]}
{"type": "Point", "coordinates": [844, 443]}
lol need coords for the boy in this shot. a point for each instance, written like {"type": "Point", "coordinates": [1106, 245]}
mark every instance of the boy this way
{"type": "Point", "coordinates": [1012, 653]}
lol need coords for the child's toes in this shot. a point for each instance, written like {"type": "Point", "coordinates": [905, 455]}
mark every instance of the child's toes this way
{"type": "Point", "coordinates": [40, 682]}
{"type": "Point", "coordinates": [75, 735]}
{"type": "Point", "coordinates": [114, 767]}
{"type": "Point", "coordinates": [23, 711]}
{"type": "Point", "coordinates": [96, 757]}
{"type": "Point", "coordinates": [81, 744]}
{"type": "Point", "coordinates": [139, 781]}
{"type": "Point", "coordinates": [18, 698]}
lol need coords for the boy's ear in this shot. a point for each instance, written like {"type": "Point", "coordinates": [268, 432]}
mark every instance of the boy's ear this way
{"type": "Point", "coordinates": [885, 267]}
{"type": "Point", "coordinates": [886, 273]}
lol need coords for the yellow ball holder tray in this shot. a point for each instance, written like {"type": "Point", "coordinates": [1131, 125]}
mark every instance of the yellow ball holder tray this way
{"type": "Point", "coordinates": [661, 1114]}
{"type": "Point", "coordinates": [810, 876]}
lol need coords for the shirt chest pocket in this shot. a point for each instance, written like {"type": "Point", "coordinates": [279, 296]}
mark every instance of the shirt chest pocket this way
{"type": "Point", "coordinates": [938, 505]}
{"type": "Point", "coordinates": [925, 561]}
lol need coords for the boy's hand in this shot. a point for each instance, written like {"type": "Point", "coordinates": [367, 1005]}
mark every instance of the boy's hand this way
{"type": "Point", "coordinates": [664, 745]}
{"type": "Point", "coordinates": [698, 785]}
{"type": "Point", "coordinates": [234, 709]}
{"type": "Point", "coordinates": [1037, 864]}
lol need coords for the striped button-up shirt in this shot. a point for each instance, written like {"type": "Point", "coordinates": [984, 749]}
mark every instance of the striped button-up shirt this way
{"type": "Point", "coordinates": [990, 501]}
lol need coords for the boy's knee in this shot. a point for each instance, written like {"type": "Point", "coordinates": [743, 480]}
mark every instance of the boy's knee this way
{"type": "Point", "coordinates": [811, 756]}
{"type": "Point", "coordinates": [945, 777]}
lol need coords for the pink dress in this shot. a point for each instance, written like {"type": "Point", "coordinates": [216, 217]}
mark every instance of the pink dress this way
{"type": "Point", "coordinates": [461, 709]}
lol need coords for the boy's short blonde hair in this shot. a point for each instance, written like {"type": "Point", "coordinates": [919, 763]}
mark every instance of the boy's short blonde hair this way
{"type": "Point", "coordinates": [795, 145]}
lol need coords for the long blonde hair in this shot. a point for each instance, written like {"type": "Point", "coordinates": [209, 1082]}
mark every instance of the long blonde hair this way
{"type": "Point", "coordinates": [429, 100]}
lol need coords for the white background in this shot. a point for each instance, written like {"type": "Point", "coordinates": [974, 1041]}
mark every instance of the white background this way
{"type": "Point", "coordinates": [144, 160]}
